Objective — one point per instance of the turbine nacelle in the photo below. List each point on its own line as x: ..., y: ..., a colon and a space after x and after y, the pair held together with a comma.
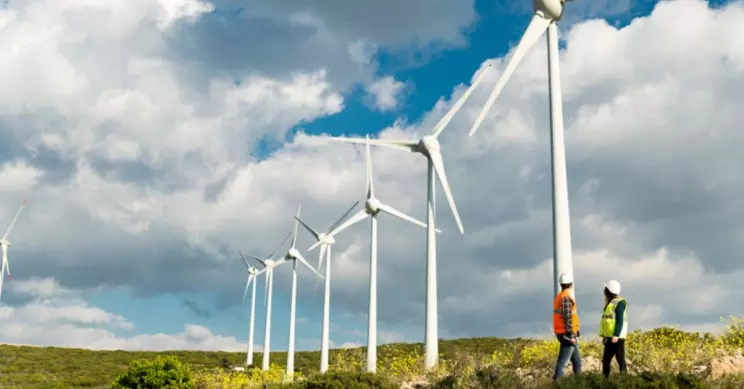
x: 429, y: 143
x: 372, y: 206
x: 270, y: 263
x: 5, y: 243
x: 326, y: 239
x: 549, y: 9
x: 293, y: 253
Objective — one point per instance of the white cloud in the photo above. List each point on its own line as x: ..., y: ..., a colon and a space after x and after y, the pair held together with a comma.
x: 137, y: 152
x: 57, y: 316
x: 386, y: 92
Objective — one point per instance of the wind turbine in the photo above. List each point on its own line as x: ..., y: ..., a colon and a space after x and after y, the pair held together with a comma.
x: 373, y: 207
x: 429, y: 146
x: 547, y: 13
x: 252, y: 274
x: 269, y: 264
x: 294, y: 256
x: 4, y: 244
x: 325, y: 240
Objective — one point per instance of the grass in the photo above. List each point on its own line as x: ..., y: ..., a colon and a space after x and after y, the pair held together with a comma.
x: 663, y: 350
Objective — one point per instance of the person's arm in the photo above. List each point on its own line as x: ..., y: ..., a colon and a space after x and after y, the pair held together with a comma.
x: 619, y: 318
x: 566, y: 305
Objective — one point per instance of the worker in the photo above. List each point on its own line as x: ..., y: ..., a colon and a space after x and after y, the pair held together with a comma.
x: 613, y: 329
x: 566, y: 327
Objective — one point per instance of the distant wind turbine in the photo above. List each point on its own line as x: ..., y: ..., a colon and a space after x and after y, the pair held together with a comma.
x: 547, y: 13
x: 373, y: 207
x: 269, y: 263
x: 325, y: 241
x: 253, y: 272
x: 4, y: 244
x: 294, y: 256
x: 429, y: 147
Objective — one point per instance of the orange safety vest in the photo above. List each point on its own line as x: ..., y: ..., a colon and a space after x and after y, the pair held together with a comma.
x: 559, y: 325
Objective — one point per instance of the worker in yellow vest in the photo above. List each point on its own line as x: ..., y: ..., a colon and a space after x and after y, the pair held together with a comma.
x: 613, y: 328
x: 566, y: 327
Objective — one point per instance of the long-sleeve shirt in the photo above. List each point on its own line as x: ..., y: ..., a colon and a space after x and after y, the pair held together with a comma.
x: 566, y: 305
x: 619, y: 317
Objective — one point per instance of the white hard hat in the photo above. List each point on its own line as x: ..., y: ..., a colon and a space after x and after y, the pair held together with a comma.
x: 613, y: 286
x: 565, y: 279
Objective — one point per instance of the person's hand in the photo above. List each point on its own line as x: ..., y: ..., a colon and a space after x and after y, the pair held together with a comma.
x: 614, y: 339
x: 572, y: 340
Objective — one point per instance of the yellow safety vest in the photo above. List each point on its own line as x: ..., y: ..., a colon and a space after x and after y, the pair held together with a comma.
x: 607, y: 325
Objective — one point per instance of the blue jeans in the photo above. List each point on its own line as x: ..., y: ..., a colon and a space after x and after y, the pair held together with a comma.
x: 567, y: 352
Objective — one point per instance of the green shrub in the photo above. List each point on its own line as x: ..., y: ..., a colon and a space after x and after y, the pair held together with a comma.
x: 161, y: 372
x: 646, y: 380
x: 346, y: 380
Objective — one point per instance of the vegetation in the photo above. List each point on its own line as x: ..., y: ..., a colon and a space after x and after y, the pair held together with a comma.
x: 662, y: 358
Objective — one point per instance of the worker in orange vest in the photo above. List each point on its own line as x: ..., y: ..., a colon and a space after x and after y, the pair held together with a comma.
x: 566, y: 327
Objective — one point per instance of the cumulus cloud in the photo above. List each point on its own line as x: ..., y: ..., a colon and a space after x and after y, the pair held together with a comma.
x: 146, y: 170
x: 57, y: 316
x: 386, y: 92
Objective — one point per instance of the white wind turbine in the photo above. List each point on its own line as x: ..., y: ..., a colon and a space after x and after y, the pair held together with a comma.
x: 547, y: 13
x: 372, y: 207
x: 325, y: 240
x: 429, y: 146
x: 294, y: 256
x: 253, y: 273
x: 269, y: 264
x: 4, y: 244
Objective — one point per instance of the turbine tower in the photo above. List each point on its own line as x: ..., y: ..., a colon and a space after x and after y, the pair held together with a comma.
x: 294, y: 256
x: 253, y: 273
x: 547, y: 13
x: 429, y: 147
x: 269, y: 264
x: 325, y: 240
x: 373, y: 207
x: 4, y: 244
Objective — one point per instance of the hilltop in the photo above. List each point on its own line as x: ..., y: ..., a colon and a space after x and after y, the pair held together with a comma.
x: 663, y: 350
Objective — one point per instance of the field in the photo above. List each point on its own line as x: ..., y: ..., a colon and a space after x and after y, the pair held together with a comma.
x: 715, y: 360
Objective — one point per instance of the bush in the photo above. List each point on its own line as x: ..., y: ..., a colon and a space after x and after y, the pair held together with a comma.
x: 487, y: 377
x: 343, y: 380
x: 161, y: 372
x: 646, y: 380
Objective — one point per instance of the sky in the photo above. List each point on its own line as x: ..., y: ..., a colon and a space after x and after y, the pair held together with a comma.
x: 154, y: 139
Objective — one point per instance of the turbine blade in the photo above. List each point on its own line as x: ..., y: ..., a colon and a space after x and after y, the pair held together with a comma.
x: 14, y: 219
x: 439, y: 127
x: 261, y: 261
x: 536, y: 28
x: 320, y: 266
x: 280, y: 245
x: 370, y: 187
x: 357, y: 217
x: 307, y: 265
x: 312, y: 231
x: 334, y: 225
x: 7, y: 269
x: 313, y: 246
x: 244, y: 260
x: 323, y: 249
x: 266, y: 286
x: 294, y: 233
x: 259, y: 272
x: 408, y: 145
x: 392, y: 211
x: 247, y: 284
x: 436, y: 160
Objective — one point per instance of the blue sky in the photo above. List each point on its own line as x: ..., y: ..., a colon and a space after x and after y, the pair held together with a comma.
x: 431, y: 79
x: 154, y: 143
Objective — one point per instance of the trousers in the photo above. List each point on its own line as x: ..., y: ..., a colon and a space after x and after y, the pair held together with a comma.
x: 613, y: 350
x: 567, y: 352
